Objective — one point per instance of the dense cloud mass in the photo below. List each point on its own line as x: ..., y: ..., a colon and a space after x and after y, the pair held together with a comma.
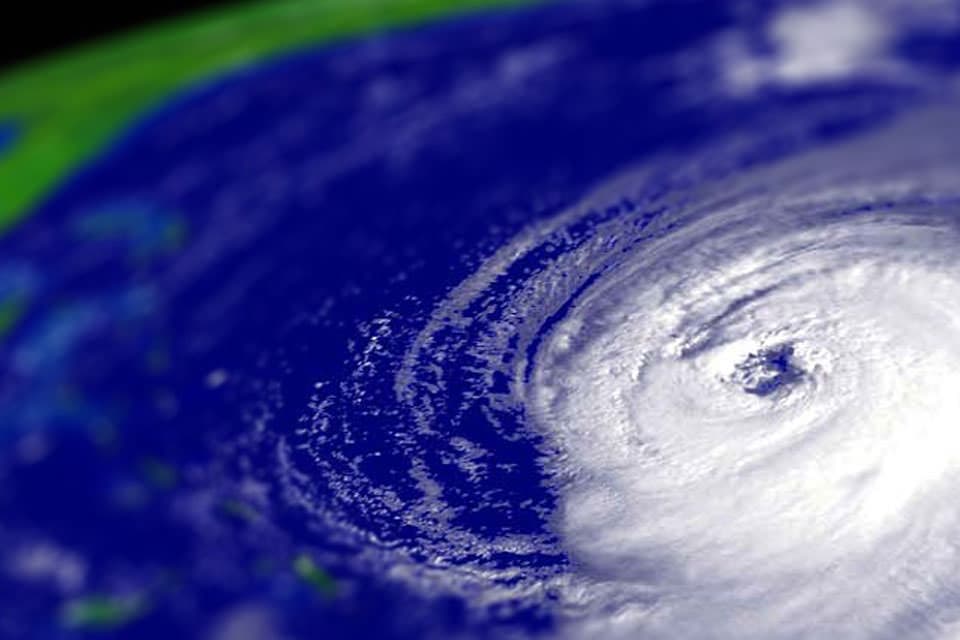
x: 757, y: 409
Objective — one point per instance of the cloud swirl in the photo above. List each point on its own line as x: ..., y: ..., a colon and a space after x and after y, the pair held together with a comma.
x: 744, y: 369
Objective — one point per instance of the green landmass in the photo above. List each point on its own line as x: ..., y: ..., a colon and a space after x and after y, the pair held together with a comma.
x: 70, y: 106
x: 103, y: 612
x: 313, y: 575
x: 10, y: 312
x: 238, y: 510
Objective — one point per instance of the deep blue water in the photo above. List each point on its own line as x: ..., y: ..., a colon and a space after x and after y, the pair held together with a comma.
x: 189, y: 287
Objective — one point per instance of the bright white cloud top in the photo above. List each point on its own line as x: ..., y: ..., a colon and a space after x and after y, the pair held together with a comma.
x: 759, y: 414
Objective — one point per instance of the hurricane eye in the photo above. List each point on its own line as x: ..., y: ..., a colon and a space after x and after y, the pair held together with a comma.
x: 768, y: 371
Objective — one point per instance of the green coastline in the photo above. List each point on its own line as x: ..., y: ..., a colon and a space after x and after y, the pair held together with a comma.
x: 68, y: 107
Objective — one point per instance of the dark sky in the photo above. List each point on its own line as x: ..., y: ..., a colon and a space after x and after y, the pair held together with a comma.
x: 40, y: 27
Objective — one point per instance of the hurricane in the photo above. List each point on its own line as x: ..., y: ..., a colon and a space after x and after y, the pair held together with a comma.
x: 589, y: 335
x: 755, y: 406
x: 740, y: 385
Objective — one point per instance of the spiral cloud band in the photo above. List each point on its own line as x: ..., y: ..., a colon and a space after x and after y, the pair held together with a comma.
x: 740, y: 369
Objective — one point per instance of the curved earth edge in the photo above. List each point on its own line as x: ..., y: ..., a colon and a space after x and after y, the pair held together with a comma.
x: 70, y: 106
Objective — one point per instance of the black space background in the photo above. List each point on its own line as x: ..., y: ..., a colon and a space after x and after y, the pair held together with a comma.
x: 39, y: 28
